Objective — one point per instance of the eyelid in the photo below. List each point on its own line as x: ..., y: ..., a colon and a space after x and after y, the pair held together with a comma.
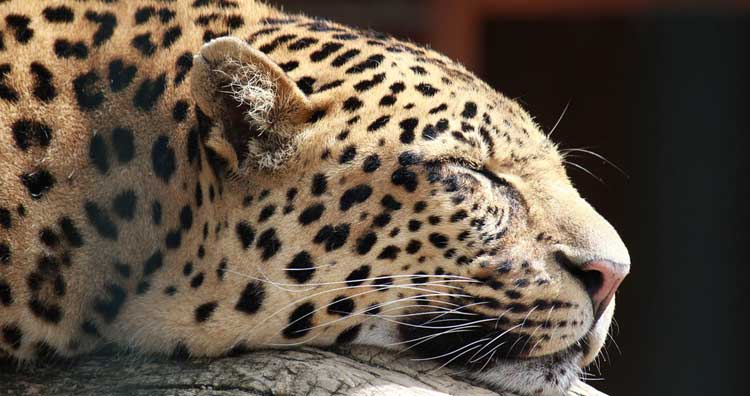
x: 495, y: 179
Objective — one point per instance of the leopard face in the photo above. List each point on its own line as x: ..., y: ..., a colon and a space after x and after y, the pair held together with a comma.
x: 192, y: 177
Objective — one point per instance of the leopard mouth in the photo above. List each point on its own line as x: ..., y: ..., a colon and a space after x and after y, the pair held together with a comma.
x: 498, y: 358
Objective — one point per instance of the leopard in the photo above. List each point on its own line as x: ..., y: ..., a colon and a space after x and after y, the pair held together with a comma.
x: 190, y: 178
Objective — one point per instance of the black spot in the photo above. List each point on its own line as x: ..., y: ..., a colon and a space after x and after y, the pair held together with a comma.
x: 6, y: 294
x: 470, y: 110
x: 88, y: 95
x: 179, y: 111
x: 326, y: 50
x: 319, y: 184
x: 300, y: 321
x: 48, y: 237
x: 459, y: 215
x: 372, y: 62
x: 163, y: 159
x: 27, y: 133
x: 390, y: 203
x: 387, y: 100
x: 98, y: 153
x: 414, y: 225
x: 407, y: 129
x: 107, y: 23
x: 149, y: 92
x: 341, y: 305
x: 413, y: 246
x: 203, y: 312
x: 418, y: 70
x: 366, y: 242
x: 269, y: 243
x: 438, y: 240
x: 143, y: 14
x: 20, y: 25
x: 120, y: 75
x: 143, y: 44
x: 349, y: 334
x: 355, y: 195
x: 197, y: 280
x: 348, y: 155
x: 251, y: 299
x: 245, y: 233
x: 345, y: 57
x: 38, y: 182
x: 358, y: 276
x: 44, y: 90
x: 6, y: 92
x: 316, y: 116
x: 266, y: 213
x: 61, y: 14
x: 183, y: 64
x: 405, y: 178
x: 221, y: 269
x: 352, y: 104
x: 382, y: 282
x: 142, y: 287
x: 110, y: 307
x: 301, y: 269
x: 409, y: 158
x: 186, y: 217
x: 397, y: 87
x: 305, y: 84
x: 5, y: 219
x: 371, y: 163
x: 334, y: 237
x: 180, y: 352
x: 365, y: 85
x: 434, y: 220
x: 289, y: 66
x: 379, y: 123
x: 426, y: 89
x: 198, y: 194
x: 173, y: 240
x: 311, y: 213
x: 122, y: 269
x: 156, y: 213
x: 101, y: 222
x: 267, y: 48
x: 153, y: 263
x: 171, y: 36
x: 389, y: 252
x: 71, y: 232
x: 12, y: 335
x: 381, y: 220
x: 234, y: 21
x: 437, y: 109
x: 302, y: 43
x: 123, y: 141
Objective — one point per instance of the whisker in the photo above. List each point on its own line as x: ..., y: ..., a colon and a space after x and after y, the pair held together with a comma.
x: 559, y: 119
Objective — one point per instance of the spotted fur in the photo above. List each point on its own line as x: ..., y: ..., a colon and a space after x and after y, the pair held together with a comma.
x: 192, y: 176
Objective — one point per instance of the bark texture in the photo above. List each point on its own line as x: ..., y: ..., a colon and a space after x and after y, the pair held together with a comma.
x: 302, y: 372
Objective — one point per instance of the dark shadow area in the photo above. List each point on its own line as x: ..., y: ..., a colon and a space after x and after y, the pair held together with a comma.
x: 665, y: 98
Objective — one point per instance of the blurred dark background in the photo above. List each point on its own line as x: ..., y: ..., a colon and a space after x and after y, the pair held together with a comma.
x: 661, y: 89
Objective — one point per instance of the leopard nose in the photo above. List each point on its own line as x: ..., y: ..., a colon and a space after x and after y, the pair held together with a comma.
x: 607, y: 276
x: 600, y: 277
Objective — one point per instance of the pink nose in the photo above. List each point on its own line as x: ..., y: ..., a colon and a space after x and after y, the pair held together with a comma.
x: 602, y: 278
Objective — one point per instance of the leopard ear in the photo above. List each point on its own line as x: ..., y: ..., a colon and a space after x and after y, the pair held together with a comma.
x: 257, y: 109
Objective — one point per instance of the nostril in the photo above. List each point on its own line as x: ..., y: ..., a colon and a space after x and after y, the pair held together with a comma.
x: 592, y: 279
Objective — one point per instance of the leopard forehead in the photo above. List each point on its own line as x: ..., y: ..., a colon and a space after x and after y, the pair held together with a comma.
x: 134, y: 210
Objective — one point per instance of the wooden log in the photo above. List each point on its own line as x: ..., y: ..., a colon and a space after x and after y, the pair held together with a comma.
x: 301, y: 372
